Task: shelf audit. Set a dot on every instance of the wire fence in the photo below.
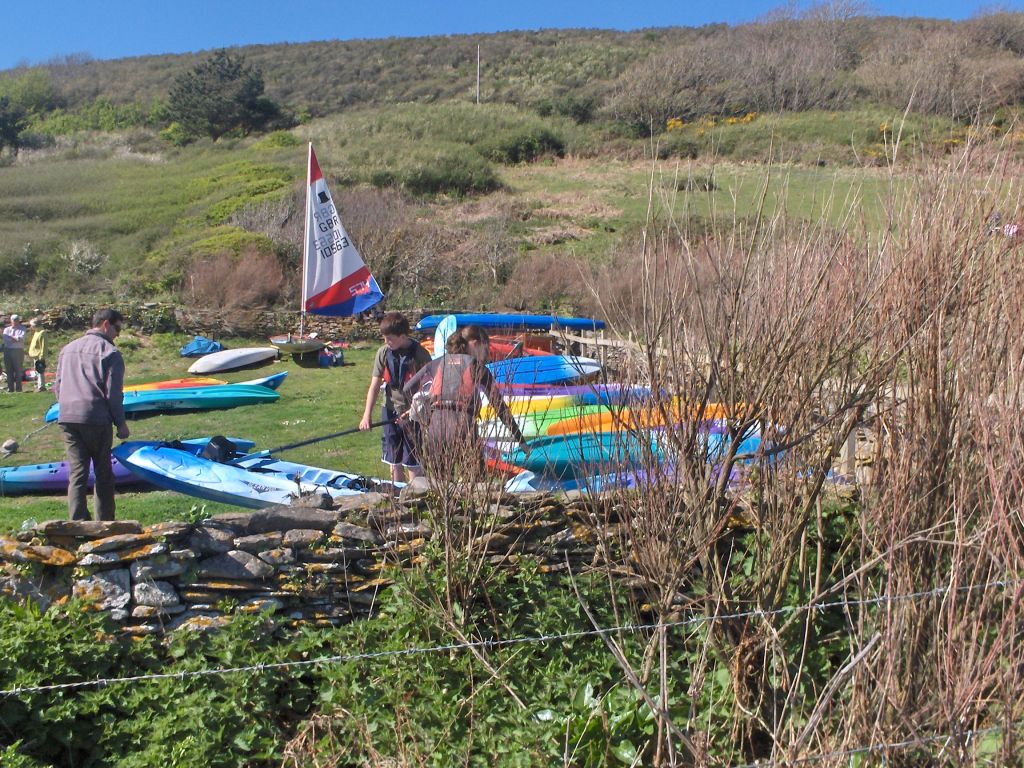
(959, 740)
(497, 643)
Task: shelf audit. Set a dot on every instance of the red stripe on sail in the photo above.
(345, 289)
(314, 167)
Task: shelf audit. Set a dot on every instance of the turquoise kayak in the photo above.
(248, 481)
(189, 398)
(587, 454)
(597, 462)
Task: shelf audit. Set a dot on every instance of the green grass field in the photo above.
(314, 401)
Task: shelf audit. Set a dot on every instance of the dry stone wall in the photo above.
(299, 563)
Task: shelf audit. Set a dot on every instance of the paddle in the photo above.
(310, 441)
(515, 348)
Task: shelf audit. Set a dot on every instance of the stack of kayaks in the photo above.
(254, 481)
(53, 477)
(206, 397)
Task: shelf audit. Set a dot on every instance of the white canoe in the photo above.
(227, 359)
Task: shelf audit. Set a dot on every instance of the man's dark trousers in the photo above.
(85, 444)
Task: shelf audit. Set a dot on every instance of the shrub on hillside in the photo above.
(252, 280)
(466, 173)
(522, 146)
(546, 281)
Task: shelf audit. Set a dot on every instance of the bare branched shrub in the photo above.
(546, 280)
(767, 341)
(83, 258)
(253, 280)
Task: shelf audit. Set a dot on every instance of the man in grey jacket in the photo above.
(90, 392)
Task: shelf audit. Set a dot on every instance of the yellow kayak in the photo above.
(523, 404)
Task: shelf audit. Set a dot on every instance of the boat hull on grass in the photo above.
(229, 359)
(253, 482)
(52, 477)
(190, 398)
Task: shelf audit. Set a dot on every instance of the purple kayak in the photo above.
(585, 394)
(53, 477)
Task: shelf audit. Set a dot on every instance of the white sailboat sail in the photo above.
(335, 280)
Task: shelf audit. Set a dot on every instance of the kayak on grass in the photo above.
(247, 481)
(196, 398)
(195, 381)
(52, 477)
(228, 359)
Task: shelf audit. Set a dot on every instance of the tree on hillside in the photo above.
(219, 95)
(12, 122)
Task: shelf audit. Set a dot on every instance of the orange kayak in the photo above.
(501, 349)
(200, 381)
(612, 420)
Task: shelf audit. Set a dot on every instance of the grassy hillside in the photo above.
(120, 214)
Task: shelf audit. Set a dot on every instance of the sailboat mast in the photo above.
(305, 241)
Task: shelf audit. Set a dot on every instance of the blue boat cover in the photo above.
(200, 346)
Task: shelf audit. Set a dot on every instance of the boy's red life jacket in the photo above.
(455, 385)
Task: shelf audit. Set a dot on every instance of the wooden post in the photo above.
(848, 462)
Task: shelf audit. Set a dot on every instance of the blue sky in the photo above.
(33, 32)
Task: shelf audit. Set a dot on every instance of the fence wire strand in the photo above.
(496, 643)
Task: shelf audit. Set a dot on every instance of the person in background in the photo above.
(89, 386)
(454, 383)
(14, 353)
(396, 363)
(37, 351)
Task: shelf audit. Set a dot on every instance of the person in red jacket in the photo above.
(454, 383)
(89, 386)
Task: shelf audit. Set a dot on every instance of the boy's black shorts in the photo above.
(400, 444)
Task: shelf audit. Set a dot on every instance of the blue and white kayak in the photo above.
(52, 477)
(256, 481)
(195, 398)
(513, 321)
(544, 369)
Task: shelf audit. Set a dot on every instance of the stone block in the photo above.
(88, 529)
(235, 564)
(106, 590)
(158, 594)
(287, 519)
(156, 568)
(259, 542)
(114, 543)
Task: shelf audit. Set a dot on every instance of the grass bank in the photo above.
(314, 401)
